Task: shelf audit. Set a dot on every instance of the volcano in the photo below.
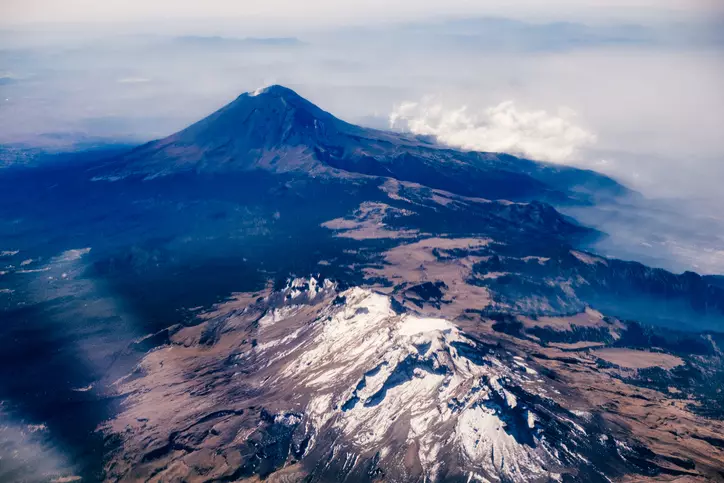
(274, 129)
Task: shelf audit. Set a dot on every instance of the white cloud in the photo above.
(502, 128)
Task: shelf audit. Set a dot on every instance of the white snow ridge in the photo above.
(416, 391)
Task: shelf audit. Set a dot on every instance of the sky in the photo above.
(332, 12)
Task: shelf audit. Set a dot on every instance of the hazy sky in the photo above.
(319, 12)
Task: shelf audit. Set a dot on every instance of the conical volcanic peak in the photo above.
(270, 97)
(251, 132)
(266, 119)
(277, 130)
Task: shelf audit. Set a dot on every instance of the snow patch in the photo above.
(411, 325)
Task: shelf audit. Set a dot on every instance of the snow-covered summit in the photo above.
(388, 382)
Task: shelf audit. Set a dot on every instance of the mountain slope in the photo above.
(275, 293)
(277, 130)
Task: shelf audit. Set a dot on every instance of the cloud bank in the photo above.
(502, 128)
(28, 454)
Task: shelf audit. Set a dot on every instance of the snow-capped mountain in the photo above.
(421, 396)
(355, 387)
